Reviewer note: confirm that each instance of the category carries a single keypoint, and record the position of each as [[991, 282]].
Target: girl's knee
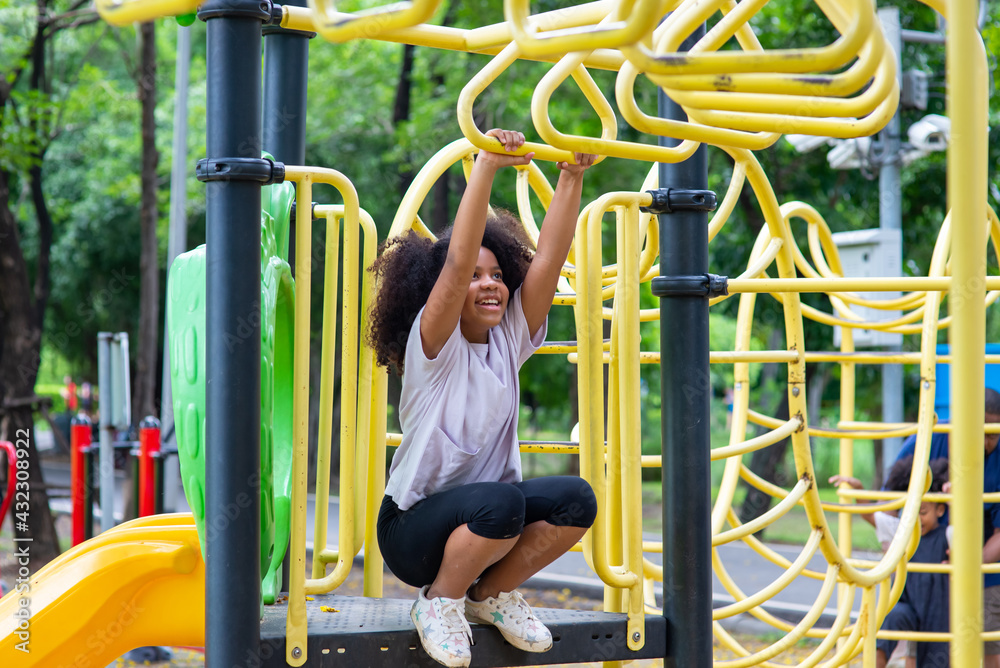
[[501, 514], [584, 508], [575, 503]]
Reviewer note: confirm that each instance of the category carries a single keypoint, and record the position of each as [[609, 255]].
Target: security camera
[[806, 143], [849, 153], [930, 133]]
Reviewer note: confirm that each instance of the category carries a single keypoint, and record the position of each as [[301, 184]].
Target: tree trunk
[[441, 211], [20, 355], [149, 271], [401, 109]]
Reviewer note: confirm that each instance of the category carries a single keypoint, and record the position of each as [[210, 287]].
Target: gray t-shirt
[[458, 411]]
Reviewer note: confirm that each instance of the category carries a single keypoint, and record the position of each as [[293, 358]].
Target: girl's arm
[[554, 240], [854, 483], [448, 294]]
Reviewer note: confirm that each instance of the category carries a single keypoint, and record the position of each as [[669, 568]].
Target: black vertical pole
[[682, 202], [286, 82], [286, 79], [232, 347]]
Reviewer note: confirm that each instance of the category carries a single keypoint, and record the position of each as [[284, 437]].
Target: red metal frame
[[149, 444], [79, 438], [8, 447]]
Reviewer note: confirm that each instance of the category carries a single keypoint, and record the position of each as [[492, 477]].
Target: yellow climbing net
[[740, 100]]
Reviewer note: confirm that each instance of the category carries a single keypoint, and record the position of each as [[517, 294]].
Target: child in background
[[923, 605]]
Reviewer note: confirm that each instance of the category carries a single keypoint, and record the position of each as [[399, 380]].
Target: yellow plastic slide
[[142, 583]]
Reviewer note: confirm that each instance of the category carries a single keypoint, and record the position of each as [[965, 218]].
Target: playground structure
[[738, 100]]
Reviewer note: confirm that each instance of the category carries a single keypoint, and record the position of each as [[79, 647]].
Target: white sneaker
[[514, 617], [444, 631]]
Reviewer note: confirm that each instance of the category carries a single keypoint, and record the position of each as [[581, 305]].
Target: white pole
[[106, 473]]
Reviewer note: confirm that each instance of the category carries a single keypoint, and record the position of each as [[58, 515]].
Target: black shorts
[[412, 541]]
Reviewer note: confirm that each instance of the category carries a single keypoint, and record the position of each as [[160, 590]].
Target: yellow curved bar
[[533, 39], [840, 84], [762, 441], [825, 127], [369, 23], [591, 395], [487, 40], [797, 633], [768, 518], [665, 127], [768, 592], [126, 12], [853, 79], [795, 106], [422, 183], [467, 98], [692, 14], [606, 145]]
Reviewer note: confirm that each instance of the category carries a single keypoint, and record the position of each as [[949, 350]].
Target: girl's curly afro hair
[[410, 264]]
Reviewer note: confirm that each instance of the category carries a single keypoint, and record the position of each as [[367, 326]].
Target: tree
[[30, 122], [146, 366]]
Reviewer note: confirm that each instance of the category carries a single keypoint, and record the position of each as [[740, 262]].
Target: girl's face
[[930, 513], [486, 301]]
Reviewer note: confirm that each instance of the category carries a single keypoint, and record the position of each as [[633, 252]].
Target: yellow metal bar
[[325, 436], [376, 484], [467, 98], [793, 636], [336, 27], [591, 393], [768, 518], [350, 534], [835, 285], [559, 19], [762, 441], [768, 592], [631, 20], [295, 624], [691, 14], [486, 40], [967, 163], [126, 12], [606, 145], [630, 414]]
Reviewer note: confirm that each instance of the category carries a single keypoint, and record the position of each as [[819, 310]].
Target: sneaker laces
[[453, 611], [517, 610]]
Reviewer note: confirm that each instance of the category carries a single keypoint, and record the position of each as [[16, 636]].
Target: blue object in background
[[942, 394]]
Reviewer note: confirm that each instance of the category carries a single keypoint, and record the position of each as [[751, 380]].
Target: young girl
[[457, 318]]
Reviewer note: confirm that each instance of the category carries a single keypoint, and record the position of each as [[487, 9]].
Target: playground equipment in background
[[147, 473], [736, 99]]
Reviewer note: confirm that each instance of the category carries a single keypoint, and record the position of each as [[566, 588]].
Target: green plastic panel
[[186, 332]]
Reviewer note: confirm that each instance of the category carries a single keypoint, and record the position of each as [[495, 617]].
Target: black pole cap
[[254, 9], [668, 200], [262, 170]]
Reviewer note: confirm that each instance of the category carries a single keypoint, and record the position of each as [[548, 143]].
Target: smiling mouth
[[489, 303]]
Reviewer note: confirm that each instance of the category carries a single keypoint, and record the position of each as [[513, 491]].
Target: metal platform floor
[[377, 632]]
